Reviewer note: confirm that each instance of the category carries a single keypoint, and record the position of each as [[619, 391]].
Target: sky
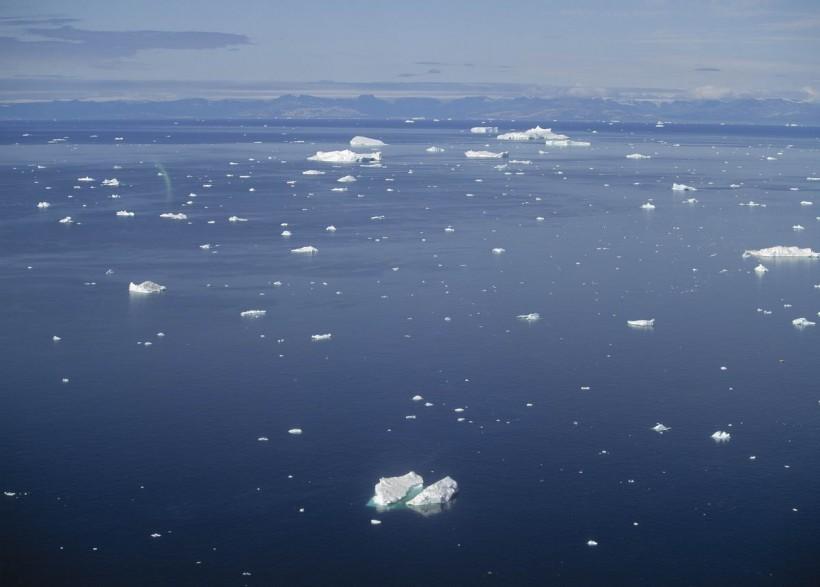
[[208, 48]]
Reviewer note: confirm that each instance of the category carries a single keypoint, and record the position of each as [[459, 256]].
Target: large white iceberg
[[484, 130], [390, 490], [439, 492], [781, 251], [345, 156], [532, 134], [146, 287], [485, 155], [358, 141]]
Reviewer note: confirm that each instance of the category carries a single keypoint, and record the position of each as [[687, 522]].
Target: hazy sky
[[707, 48]]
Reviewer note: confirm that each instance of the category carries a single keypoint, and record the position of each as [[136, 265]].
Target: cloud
[[711, 93], [707, 69], [36, 20]]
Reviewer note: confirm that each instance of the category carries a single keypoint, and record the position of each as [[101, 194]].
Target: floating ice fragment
[[253, 313], [533, 317], [112, 183], [641, 323], [442, 491], [295, 431], [648, 206], [85, 179], [156, 535], [146, 287], [798, 228], [56, 338], [390, 490], [286, 233], [485, 155], [330, 228], [802, 323], [761, 269], [594, 542], [532, 134], [499, 251], [313, 172], [306, 250], [174, 216], [484, 130], [43, 205], [66, 220], [660, 428], [359, 141], [638, 156], [721, 436], [417, 398], [375, 522], [434, 149], [321, 337], [682, 187], [806, 203], [345, 156], [124, 214], [236, 219], [782, 251], [346, 179]]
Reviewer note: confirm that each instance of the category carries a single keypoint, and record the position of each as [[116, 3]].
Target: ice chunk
[[434, 149], [358, 141], [484, 130], [85, 179], [236, 219], [306, 250], [721, 436], [638, 156], [321, 337], [761, 269], [660, 428], [124, 214], [485, 155], [313, 172], [375, 522], [345, 156], [499, 251], [566, 143], [439, 492], [56, 338], [174, 216], [111, 183], [66, 220], [806, 203], [798, 227], [648, 206], [295, 431], [781, 251], [253, 313], [682, 187], [532, 134], [346, 179], [286, 233], [533, 317], [641, 323], [390, 490], [43, 205], [802, 323], [146, 287], [330, 228], [595, 542]]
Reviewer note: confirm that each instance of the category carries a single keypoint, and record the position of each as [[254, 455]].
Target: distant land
[[768, 111]]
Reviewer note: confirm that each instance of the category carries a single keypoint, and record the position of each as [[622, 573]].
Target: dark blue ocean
[[554, 447]]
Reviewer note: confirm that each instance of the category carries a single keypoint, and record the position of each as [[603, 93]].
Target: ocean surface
[[128, 463]]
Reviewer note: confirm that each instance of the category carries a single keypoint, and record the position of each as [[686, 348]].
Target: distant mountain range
[[774, 111]]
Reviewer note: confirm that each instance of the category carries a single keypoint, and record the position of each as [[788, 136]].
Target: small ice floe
[[124, 214], [641, 323], [43, 205], [499, 251], [330, 228], [660, 428], [532, 134], [56, 338], [781, 251], [321, 337], [313, 172], [802, 322], [205, 247], [449, 229], [690, 201], [417, 398], [375, 522], [306, 250], [85, 179], [752, 204], [359, 141], [440, 492], [592, 543], [66, 220], [721, 436], [390, 490], [434, 149], [253, 313], [638, 156], [798, 227], [236, 219], [174, 216], [346, 179], [262, 439], [484, 130], [533, 317], [295, 431], [286, 233], [345, 156], [156, 535], [682, 187], [648, 206], [761, 269], [111, 183], [146, 287], [9, 493], [806, 203], [485, 155]]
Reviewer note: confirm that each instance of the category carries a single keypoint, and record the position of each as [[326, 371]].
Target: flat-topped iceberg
[[638, 156], [390, 490], [306, 250], [346, 179], [485, 155], [533, 317], [253, 313], [146, 287], [124, 214], [359, 141], [682, 187], [174, 216], [641, 323], [531, 135], [112, 183], [781, 252], [442, 491], [484, 130], [345, 156], [802, 322], [434, 149]]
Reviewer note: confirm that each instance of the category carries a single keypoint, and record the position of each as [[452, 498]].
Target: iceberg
[[85, 179], [146, 287], [682, 187], [434, 149], [346, 156], [533, 317], [346, 179], [648, 206], [638, 156], [43, 205], [112, 183], [761, 269], [313, 172], [236, 219], [390, 490], [499, 251], [802, 323], [330, 228], [439, 492], [484, 130], [173, 216], [566, 143], [532, 134], [321, 337], [295, 431], [124, 214], [806, 203], [641, 323], [781, 251], [66, 220], [358, 141], [485, 155], [253, 313], [660, 428], [306, 250], [721, 436]]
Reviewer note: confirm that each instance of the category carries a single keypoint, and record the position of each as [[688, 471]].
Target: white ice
[[390, 490], [146, 287], [439, 492]]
